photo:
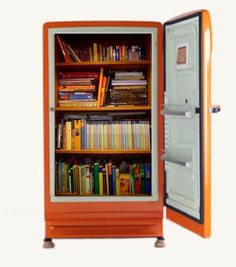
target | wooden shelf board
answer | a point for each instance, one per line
(103, 151)
(95, 195)
(106, 108)
(103, 63)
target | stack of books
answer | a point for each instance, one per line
(103, 178)
(77, 88)
(128, 88)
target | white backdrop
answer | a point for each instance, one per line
(21, 137)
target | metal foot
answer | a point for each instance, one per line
(160, 243)
(47, 243)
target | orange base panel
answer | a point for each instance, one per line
(62, 230)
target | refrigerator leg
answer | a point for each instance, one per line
(47, 243)
(160, 242)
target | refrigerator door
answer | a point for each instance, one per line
(187, 121)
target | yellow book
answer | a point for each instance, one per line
(117, 182)
(125, 188)
(68, 135)
(100, 179)
(77, 137)
(95, 52)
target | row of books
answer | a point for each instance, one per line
(101, 89)
(101, 178)
(98, 52)
(86, 134)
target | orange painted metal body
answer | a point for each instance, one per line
(99, 219)
(128, 219)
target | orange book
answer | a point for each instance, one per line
(77, 138)
(100, 87)
(104, 82)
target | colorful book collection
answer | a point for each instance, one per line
(98, 52)
(128, 134)
(90, 88)
(102, 178)
(128, 88)
(77, 88)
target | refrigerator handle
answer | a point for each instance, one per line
(215, 109)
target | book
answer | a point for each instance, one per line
(124, 184)
(95, 52)
(68, 135)
(73, 54)
(63, 49)
(100, 87)
(147, 171)
(103, 88)
(100, 175)
(77, 137)
(96, 178)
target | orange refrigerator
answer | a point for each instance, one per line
(176, 63)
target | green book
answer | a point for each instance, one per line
(142, 178)
(133, 179)
(96, 178)
(67, 179)
(63, 167)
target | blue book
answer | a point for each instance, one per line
(148, 175)
(80, 96)
(113, 184)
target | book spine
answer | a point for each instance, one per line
(60, 175)
(87, 180)
(117, 182)
(100, 181)
(95, 52)
(68, 135)
(147, 168)
(96, 178)
(113, 190)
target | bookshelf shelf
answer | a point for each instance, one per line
(96, 195)
(104, 151)
(131, 63)
(106, 108)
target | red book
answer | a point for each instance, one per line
(137, 180)
(63, 49)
